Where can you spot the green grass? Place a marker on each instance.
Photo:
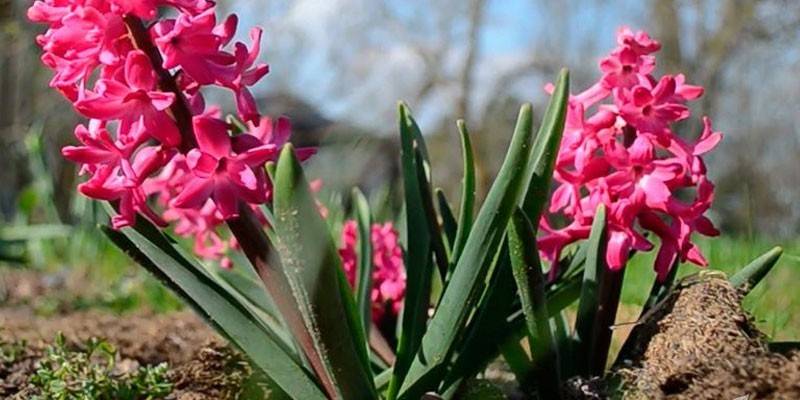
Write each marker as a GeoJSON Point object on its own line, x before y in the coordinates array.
{"type": "Point", "coordinates": [125, 287]}
{"type": "Point", "coordinates": [100, 276]}
{"type": "Point", "coordinates": [774, 303]}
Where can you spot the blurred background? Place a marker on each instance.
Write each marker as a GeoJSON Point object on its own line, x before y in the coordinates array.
{"type": "Point", "coordinates": [338, 67]}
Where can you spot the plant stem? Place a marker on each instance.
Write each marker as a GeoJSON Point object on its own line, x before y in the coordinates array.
{"type": "Point", "coordinates": [610, 287]}
{"type": "Point", "coordinates": [166, 82]}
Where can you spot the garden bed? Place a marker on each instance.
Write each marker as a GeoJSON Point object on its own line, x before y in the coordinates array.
{"type": "Point", "coordinates": [698, 344]}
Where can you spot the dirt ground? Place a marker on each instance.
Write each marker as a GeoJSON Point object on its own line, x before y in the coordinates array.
{"type": "Point", "coordinates": [698, 344]}
{"type": "Point", "coordinates": [201, 366]}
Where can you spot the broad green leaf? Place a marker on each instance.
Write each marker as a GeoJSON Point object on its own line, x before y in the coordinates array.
{"type": "Point", "coordinates": [545, 150]}
{"type": "Point", "coordinates": [253, 295]}
{"type": "Point", "coordinates": [155, 252]}
{"type": "Point", "coordinates": [754, 272]}
{"type": "Point", "coordinates": [364, 276]}
{"type": "Point", "coordinates": [417, 256]}
{"type": "Point", "coordinates": [464, 288]}
{"type": "Point", "coordinates": [466, 209]}
{"type": "Point", "coordinates": [588, 304]}
{"type": "Point", "coordinates": [530, 281]}
{"type": "Point", "coordinates": [320, 294]}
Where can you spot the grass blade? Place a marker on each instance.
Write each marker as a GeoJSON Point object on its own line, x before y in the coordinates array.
{"type": "Point", "coordinates": [754, 272]}
{"type": "Point", "coordinates": [320, 293]}
{"type": "Point", "coordinates": [480, 250]}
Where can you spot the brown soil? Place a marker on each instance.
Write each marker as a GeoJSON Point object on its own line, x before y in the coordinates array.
{"type": "Point", "coordinates": [700, 344]}
{"type": "Point", "coordinates": [202, 367]}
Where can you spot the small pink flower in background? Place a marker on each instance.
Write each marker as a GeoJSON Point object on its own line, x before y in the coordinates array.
{"type": "Point", "coordinates": [129, 72]}
{"type": "Point", "coordinates": [619, 149]}
{"type": "Point", "coordinates": [388, 275]}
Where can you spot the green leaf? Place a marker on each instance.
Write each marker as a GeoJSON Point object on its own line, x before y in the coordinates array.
{"type": "Point", "coordinates": [364, 276]}
{"type": "Point", "coordinates": [517, 359]}
{"type": "Point", "coordinates": [559, 325]}
{"type": "Point", "coordinates": [588, 304]}
{"type": "Point", "coordinates": [480, 348]}
{"type": "Point", "coordinates": [437, 243]}
{"type": "Point", "coordinates": [754, 272]}
{"type": "Point", "coordinates": [487, 330]}
{"type": "Point", "coordinates": [320, 293]}
{"type": "Point", "coordinates": [466, 209]}
{"type": "Point", "coordinates": [480, 250]}
{"type": "Point", "coordinates": [253, 295]}
{"type": "Point", "coordinates": [545, 149]}
{"type": "Point", "coordinates": [155, 252]}
{"type": "Point", "coordinates": [449, 223]}
{"type": "Point", "coordinates": [531, 288]}
{"type": "Point", "coordinates": [564, 294]}
{"type": "Point", "coordinates": [417, 256]}
{"type": "Point", "coordinates": [659, 290]}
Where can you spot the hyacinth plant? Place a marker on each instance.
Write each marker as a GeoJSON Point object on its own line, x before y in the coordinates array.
{"type": "Point", "coordinates": [382, 312]}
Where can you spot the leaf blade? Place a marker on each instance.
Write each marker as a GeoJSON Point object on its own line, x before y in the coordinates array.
{"type": "Point", "coordinates": [481, 247]}
{"type": "Point", "coordinates": [364, 276]}
{"type": "Point", "coordinates": [320, 292]}
{"type": "Point", "coordinates": [155, 253]}
{"type": "Point", "coordinates": [530, 282]}
{"type": "Point", "coordinates": [466, 209]}
{"type": "Point", "coordinates": [749, 276]}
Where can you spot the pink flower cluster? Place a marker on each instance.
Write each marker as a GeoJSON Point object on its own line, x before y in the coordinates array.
{"type": "Point", "coordinates": [389, 274]}
{"type": "Point", "coordinates": [151, 145]}
{"type": "Point", "coordinates": [619, 149]}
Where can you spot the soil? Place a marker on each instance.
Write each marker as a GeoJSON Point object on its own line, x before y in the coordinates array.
{"type": "Point", "coordinates": [697, 344]}
{"type": "Point", "coordinates": [201, 365]}
{"type": "Point", "coordinates": [700, 344]}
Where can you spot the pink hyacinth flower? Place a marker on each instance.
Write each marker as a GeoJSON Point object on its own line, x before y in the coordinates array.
{"type": "Point", "coordinates": [134, 101]}
{"type": "Point", "coordinates": [224, 169]}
